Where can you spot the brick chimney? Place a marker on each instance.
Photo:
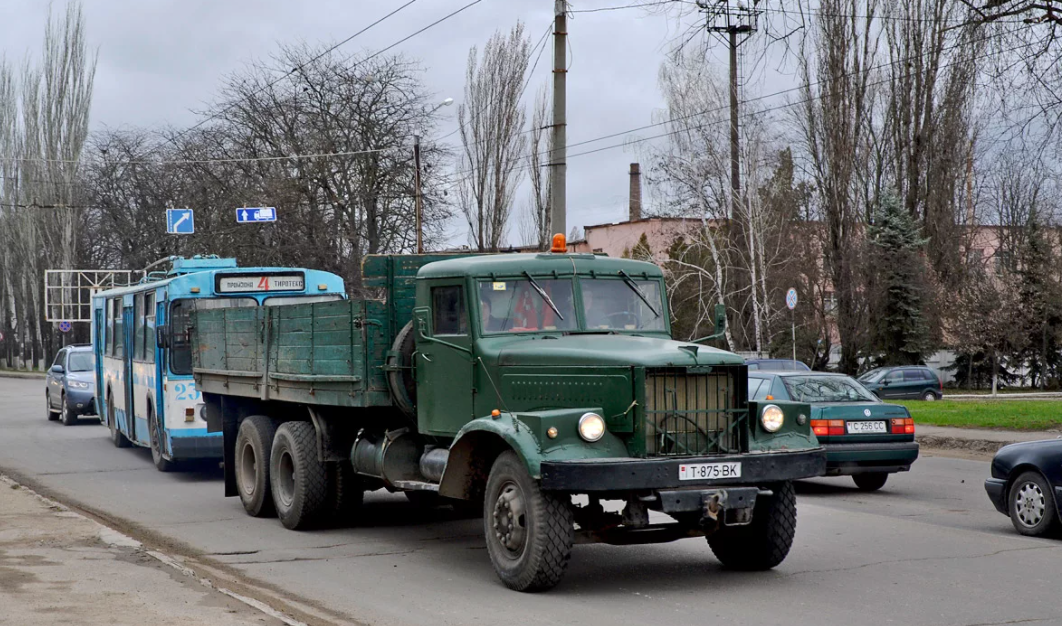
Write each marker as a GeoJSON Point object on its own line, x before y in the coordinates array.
{"type": "Point", "coordinates": [636, 193]}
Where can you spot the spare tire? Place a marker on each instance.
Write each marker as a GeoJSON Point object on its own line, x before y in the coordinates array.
{"type": "Point", "coordinates": [400, 377]}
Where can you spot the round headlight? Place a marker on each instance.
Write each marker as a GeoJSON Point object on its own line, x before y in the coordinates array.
{"type": "Point", "coordinates": [591, 427]}
{"type": "Point", "coordinates": [772, 418]}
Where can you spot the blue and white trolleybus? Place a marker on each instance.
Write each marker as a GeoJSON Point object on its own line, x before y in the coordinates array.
{"type": "Point", "coordinates": [140, 336]}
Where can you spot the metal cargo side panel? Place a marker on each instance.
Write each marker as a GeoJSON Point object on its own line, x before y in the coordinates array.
{"type": "Point", "coordinates": [378, 340]}
{"type": "Point", "coordinates": [317, 353]}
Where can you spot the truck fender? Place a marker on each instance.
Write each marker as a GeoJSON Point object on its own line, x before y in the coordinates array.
{"type": "Point", "coordinates": [476, 446]}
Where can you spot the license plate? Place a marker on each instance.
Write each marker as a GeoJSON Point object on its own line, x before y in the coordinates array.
{"type": "Point", "coordinates": [709, 471]}
{"type": "Point", "coordinates": [859, 428]}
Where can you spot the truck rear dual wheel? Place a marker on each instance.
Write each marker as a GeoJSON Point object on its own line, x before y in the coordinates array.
{"type": "Point", "coordinates": [529, 532]}
{"type": "Point", "coordinates": [765, 542]}
{"type": "Point", "coordinates": [254, 444]}
{"type": "Point", "coordinates": [298, 479]}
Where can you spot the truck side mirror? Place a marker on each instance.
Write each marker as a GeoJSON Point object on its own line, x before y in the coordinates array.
{"type": "Point", "coordinates": [720, 319]}
{"type": "Point", "coordinates": [162, 337]}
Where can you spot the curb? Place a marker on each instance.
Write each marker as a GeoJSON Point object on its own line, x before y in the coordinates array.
{"type": "Point", "coordinates": [30, 375]}
{"type": "Point", "coordinates": [115, 538]}
{"type": "Point", "coordinates": [956, 443]}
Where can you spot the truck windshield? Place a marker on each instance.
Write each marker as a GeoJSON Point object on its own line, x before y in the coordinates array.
{"type": "Point", "coordinates": [611, 304]}
{"type": "Point", "coordinates": [510, 306]}
{"type": "Point", "coordinates": [826, 389]}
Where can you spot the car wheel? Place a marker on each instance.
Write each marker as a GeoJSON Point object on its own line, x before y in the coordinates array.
{"type": "Point", "coordinates": [929, 396]}
{"type": "Point", "coordinates": [1032, 506]}
{"type": "Point", "coordinates": [68, 415]}
{"type": "Point", "coordinates": [52, 415]}
{"type": "Point", "coordinates": [529, 532]}
{"type": "Point", "coordinates": [870, 482]}
{"type": "Point", "coordinates": [254, 441]}
{"type": "Point", "coordinates": [155, 436]}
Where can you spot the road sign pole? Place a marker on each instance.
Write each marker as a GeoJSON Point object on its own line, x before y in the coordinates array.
{"type": "Point", "coordinates": [792, 320]}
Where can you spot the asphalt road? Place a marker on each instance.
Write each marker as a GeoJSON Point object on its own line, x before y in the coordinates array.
{"type": "Point", "coordinates": [929, 549]}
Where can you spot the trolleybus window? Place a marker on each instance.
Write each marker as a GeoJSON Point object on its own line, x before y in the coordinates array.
{"type": "Point", "coordinates": [149, 327]}
{"type": "Point", "coordinates": [118, 347]}
{"type": "Point", "coordinates": [138, 328]}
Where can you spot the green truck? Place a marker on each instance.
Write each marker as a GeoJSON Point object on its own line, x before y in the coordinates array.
{"type": "Point", "coordinates": [541, 391]}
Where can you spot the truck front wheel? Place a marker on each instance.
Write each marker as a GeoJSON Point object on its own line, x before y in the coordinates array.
{"type": "Point", "coordinates": [298, 479]}
{"type": "Point", "coordinates": [529, 532]}
{"type": "Point", "coordinates": [765, 542]}
{"type": "Point", "coordinates": [254, 442]}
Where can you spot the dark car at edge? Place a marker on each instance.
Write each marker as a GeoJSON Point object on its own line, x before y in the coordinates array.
{"type": "Point", "coordinates": [1026, 485]}
{"type": "Point", "coordinates": [909, 382]}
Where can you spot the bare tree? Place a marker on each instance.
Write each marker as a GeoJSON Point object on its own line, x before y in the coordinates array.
{"type": "Point", "coordinates": [537, 226]}
{"type": "Point", "coordinates": [837, 106]}
{"type": "Point", "coordinates": [492, 122]}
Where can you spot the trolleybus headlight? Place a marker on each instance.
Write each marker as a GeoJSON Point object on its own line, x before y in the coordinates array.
{"type": "Point", "coordinates": [591, 427]}
{"type": "Point", "coordinates": [772, 418]}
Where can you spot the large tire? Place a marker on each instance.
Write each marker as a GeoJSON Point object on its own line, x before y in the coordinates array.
{"type": "Point", "coordinates": [117, 438]}
{"type": "Point", "coordinates": [529, 532]}
{"type": "Point", "coordinates": [254, 446]}
{"type": "Point", "coordinates": [52, 415]}
{"type": "Point", "coordinates": [298, 479]}
{"type": "Point", "coordinates": [347, 492]}
{"type": "Point", "coordinates": [871, 481]}
{"type": "Point", "coordinates": [765, 542]}
{"type": "Point", "coordinates": [162, 464]}
{"type": "Point", "coordinates": [1031, 505]}
{"type": "Point", "coordinates": [400, 378]}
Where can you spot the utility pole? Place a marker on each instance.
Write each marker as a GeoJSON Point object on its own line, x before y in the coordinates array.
{"type": "Point", "coordinates": [723, 18]}
{"type": "Point", "coordinates": [417, 199]}
{"type": "Point", "coordinates": [559, 155]}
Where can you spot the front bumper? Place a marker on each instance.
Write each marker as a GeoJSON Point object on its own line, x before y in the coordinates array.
{"type": "Point", "coordinates": [997, 493]}
{"type": "Point", "coordinates": [81, 401]}
{"type": "Point", "coordinates": [630, 474]}
{"type": "Point", "coordinates": [845, 459]}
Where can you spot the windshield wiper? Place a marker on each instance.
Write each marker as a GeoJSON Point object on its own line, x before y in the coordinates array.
{"type": "Point", "coordinates": [634, 287]}
{"type": "Point", "coordinates": [545, 296]}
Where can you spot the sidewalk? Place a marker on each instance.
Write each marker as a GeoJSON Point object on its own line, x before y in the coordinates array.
{"type": "Point", "coordinates": [57, 566]}
{"type": "Point", "coordinates": [974, 439]}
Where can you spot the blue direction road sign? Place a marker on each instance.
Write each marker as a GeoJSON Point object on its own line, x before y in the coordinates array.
{"type": "Point", "coordinates": [180, 221]}
{"type": "Point", "coordinates": [256, 214]}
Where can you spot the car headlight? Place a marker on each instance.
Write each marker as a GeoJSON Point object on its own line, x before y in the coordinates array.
{"type": "Point", "coordinates": [591, 427]}
{"type": "Point", "coordinates": [77, 384]}
{"type": "Point", "coordinates": [772, 418]}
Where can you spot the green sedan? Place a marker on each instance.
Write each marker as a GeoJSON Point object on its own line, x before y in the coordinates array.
{"type": "Point", "coordinates": [864, 438]}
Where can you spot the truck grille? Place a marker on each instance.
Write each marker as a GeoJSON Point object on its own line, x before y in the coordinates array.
{"type": "Point", "coordinates": [692, 413]}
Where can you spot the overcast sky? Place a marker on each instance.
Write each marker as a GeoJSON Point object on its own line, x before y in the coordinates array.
{"type": "Point", "coordinates": [160, 60]}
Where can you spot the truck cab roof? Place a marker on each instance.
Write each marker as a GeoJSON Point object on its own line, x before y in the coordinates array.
{"type": "Point", "coordinates": [537, 264]}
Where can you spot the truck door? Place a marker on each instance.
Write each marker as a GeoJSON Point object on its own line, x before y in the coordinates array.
{"type": "Point", "coordinates": [444, 361]}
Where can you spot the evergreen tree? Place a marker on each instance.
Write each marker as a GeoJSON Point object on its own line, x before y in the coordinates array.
{"type": "Point", "coordinates": [900, 334]}
{"type": "Point", "coordinates": [1041, 298]}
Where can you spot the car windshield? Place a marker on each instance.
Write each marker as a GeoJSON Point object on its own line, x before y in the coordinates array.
{"type": "Point", "coordinates": [80, 362]}
{"type": "Point", "coordinates": [873, 375]}
{"type": "Point", "coordinates": [826, 389]}
{"type": "Point", "coordinates": [528, 304]}
{"type": "Point", "coordinates": [622, 304]}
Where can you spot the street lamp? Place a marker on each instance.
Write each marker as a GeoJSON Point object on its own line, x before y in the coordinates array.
{"type": "Point", "coordinates": [417, 199]}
